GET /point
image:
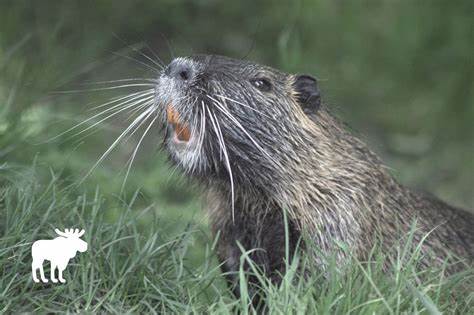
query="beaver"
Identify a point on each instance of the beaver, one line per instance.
(262, 144)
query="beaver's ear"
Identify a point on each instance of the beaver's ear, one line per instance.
(307, 93)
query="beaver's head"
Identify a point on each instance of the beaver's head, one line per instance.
(231, 119)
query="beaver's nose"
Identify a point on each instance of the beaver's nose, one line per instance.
(180, 69)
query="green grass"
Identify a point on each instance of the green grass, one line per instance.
(135, 265)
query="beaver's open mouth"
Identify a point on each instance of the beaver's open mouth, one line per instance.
(182, 133)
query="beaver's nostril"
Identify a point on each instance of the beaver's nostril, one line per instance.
(180, 69)
(184, 74)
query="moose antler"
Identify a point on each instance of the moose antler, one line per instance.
(70, 232)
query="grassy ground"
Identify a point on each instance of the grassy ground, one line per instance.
(134, 266)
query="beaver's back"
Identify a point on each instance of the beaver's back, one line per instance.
(384, 209)
(453, 227)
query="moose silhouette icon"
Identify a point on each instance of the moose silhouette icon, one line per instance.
(58, 251)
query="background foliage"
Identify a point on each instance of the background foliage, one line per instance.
(400, 73)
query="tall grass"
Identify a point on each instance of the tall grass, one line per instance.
(134, 265)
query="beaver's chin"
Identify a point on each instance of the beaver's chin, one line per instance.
(185, 152)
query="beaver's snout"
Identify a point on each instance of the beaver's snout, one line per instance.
(180, 69)
(176, 80)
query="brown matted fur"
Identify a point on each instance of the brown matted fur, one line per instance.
(262, 142)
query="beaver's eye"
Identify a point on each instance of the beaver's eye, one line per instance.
(262, 84)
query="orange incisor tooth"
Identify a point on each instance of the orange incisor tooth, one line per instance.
(172, 115)
(182, 131)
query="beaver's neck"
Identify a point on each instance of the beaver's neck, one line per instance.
(325, 165)
(328, 181)
(338, 186)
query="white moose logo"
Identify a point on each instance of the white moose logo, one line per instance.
(58, 251)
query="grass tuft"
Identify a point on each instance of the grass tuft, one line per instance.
(134, 265)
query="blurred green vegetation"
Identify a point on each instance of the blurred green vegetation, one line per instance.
(399, 73)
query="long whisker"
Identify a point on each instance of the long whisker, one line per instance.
(142, 53)
(169, 46)
(239, 125)
(147, 57)
(136, 149)
(117, 99)
(134, 129)
(135, 110)
(155, 54)
(114, 144)
(121, 80)
(131, 117)
(147, 99)
(243, 104)
(217, 128)
(202, 132)
(139, 108)
(193, 128)
(139, 62)
(122, 86)
(123, 105)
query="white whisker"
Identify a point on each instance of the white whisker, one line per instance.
(242, 104)
(139, 62)
(121, 80)
(114, 144)
(117, 99)
(131, 118)
(202, 131)
(137, 147)
(239, 125)
(123, 105)
(158, 59)
(135, 110)
(113, 114)
(218, 131)
(122, 86)
(147, 57)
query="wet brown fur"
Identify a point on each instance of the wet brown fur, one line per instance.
(334, 189)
